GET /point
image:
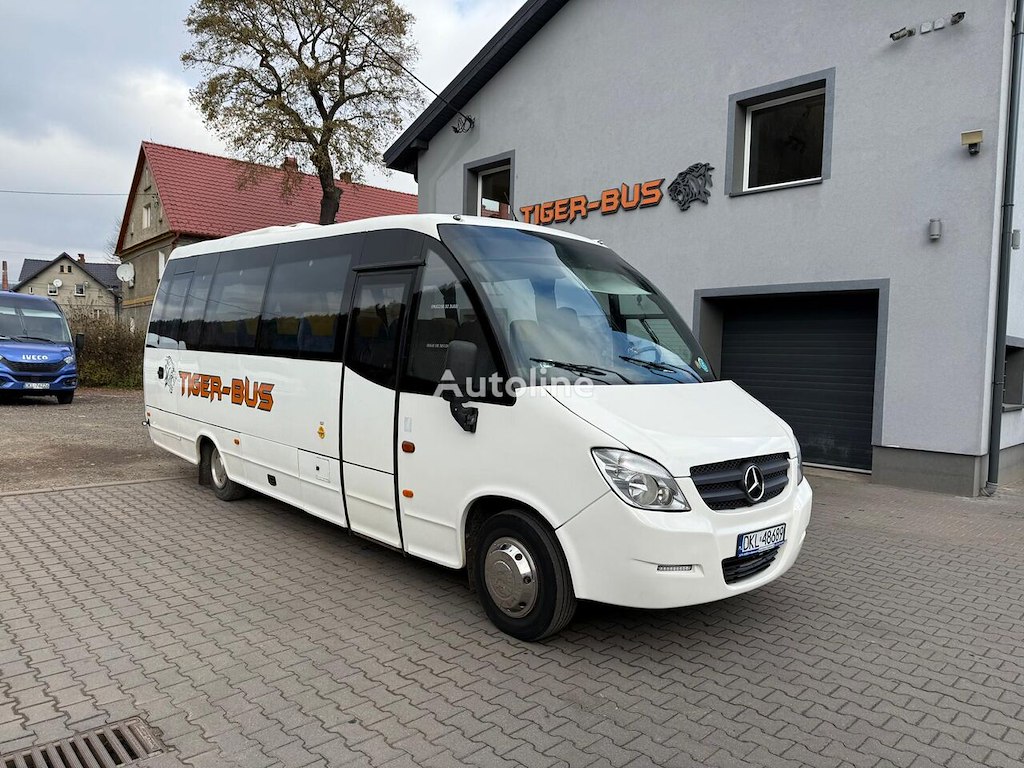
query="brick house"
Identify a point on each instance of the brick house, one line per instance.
(180, 196)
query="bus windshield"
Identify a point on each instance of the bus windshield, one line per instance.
(21, 321)
(575, 308)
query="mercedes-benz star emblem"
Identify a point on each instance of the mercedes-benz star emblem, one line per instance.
(753, 483)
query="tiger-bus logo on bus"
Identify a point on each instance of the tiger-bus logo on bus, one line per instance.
(689, 186)
(237, 391)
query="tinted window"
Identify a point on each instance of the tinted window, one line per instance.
(195, 304)
(375, 326)
(786, 141)
(392, 246)
(303, 312)
(165, 321)
(236, 297)
(443, 313)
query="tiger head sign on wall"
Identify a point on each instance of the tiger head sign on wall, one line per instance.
(691, 185)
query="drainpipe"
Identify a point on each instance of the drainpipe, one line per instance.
(1005, 236)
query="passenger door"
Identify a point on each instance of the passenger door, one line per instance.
(369, 400)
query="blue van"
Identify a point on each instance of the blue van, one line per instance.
(37, 354)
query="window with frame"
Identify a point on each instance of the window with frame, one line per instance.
(1013, 389)
(51, 290)
(236, 297)
(781, 135)
(165, 319)
(303, 315)
(79, 289)
(444, 313)
(31, 289)
(147, 216)
(375, 326)
(494, 193)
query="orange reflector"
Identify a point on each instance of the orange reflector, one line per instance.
(237, 441)
(148, 414)
(408, 447)
(407, 493)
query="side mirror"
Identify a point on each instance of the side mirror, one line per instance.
(79, 342)
(460, 364)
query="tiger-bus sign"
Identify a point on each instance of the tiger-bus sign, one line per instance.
(691, 185)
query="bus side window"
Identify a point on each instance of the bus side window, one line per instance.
(165, 321)
(304, 312)
(195, 304)
(236, 296)
(444, 313)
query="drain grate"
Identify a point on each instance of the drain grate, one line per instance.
(105, 747)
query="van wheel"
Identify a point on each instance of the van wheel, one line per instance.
(65, 398)
(526, 588)
(225, 488)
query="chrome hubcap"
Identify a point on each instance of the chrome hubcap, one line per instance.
(511, 577)
(217, 469)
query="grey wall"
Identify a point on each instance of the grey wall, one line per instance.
(607, 93)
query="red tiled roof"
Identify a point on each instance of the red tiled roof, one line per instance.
(200, 195)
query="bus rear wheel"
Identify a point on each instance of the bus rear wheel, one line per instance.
(224, 487)
(523, 578)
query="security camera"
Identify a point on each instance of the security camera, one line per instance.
(899, 34)
(957, 17)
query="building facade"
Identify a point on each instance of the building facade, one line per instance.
(79, 287)
(179, 196)
(806, 186)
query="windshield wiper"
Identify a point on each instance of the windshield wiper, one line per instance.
(582, 368)
(659, 367)
(36, 338)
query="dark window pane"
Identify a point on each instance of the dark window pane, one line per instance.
(302, 315)
(443, 313)
(786, 141)
(375, 326)
(236, 297)
(495, 193)
(195, 304)
(165, 320)
(392, 246)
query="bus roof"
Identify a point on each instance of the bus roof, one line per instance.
(12, 299)
(426, 223)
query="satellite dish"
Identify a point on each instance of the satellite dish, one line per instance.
(126, 272)
(57, 282)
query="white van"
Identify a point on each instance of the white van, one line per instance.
(482, 394)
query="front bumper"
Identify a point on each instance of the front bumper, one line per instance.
(38, 383)
(614, 550)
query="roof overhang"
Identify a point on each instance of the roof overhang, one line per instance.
(517, 32)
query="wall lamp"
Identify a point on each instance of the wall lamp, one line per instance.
(972, 140)
(934, 229)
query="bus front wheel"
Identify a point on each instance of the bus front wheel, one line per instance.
(523, 578)
(224, 487)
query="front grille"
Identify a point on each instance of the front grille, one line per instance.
(21, 367)
(35, 377)
(738, 568)
(721, 484)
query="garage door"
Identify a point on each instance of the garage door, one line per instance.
(811, 359)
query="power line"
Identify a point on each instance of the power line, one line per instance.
(63, 194)
(467, 121)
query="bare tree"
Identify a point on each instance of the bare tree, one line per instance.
(300, 77)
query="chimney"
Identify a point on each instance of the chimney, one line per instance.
(345, 177)
(290, 164)
(4, 284)
(81, 258)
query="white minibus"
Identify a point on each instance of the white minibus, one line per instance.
(482, 394)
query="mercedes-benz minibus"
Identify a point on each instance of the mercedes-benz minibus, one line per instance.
(487, 395)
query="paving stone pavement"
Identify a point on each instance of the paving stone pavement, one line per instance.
(251, 634)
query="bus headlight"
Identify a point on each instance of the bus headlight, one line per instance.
(69, 360)
(640, 482)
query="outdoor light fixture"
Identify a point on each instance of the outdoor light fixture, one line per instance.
(934, 229)
(899, 34)
(957, 17)
(972, 140)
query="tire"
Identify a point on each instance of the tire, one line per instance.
(65, 398)
(522, 576)
(224, 487)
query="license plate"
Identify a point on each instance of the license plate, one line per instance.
(37, 385)
(759, 541)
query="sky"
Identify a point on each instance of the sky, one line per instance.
(82, 84)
